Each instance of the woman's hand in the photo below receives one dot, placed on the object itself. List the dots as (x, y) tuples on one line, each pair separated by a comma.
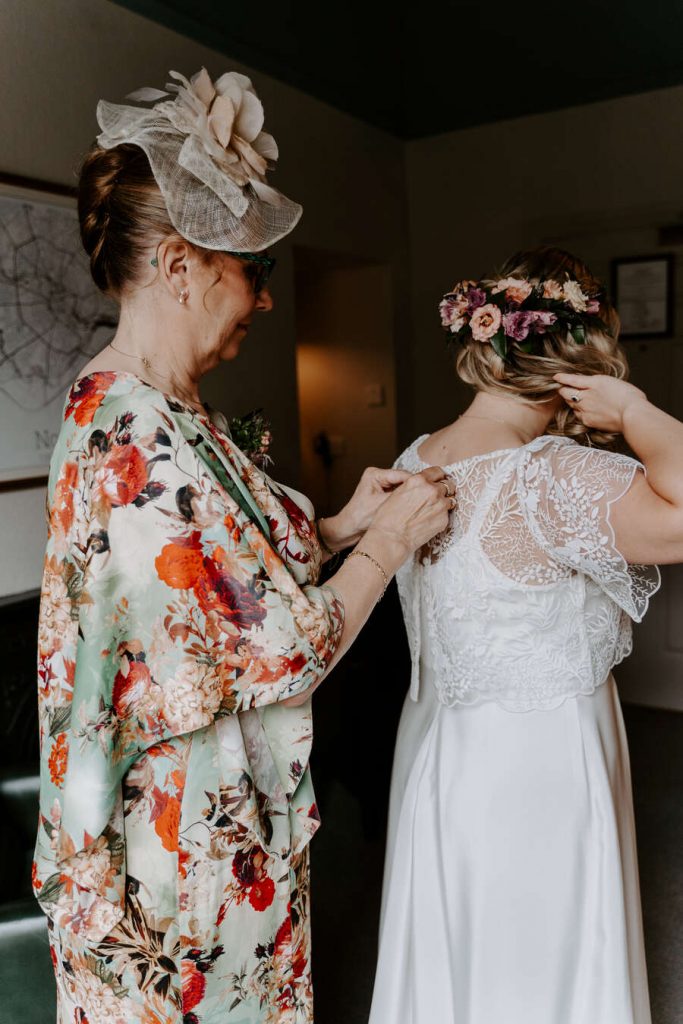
[(416, 511), (348, 526), (598, 400)]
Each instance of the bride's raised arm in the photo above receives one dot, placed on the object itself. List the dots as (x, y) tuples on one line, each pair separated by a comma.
[(648, 519)]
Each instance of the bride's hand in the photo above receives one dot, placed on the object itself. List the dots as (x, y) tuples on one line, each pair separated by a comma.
[(598, 400), (348, 526)]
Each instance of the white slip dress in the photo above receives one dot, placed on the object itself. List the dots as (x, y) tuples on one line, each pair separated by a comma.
[(511, 882)]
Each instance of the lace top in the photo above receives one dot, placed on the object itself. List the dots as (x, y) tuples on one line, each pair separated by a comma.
[(524, 599)]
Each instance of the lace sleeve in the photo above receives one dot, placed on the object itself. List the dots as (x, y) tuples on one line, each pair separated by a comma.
[(566, 493)]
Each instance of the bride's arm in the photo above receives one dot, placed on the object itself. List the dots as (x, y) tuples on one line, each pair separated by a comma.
[(648, 519)]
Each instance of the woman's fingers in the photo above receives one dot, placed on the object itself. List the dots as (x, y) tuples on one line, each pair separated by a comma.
[(433, 474), (576, 380), (389, 478), (571, 395)]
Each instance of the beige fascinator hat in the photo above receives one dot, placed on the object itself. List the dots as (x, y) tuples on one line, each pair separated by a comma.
[(209, 158)]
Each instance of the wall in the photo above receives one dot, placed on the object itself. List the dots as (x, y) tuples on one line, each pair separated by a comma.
[(599, 180), (348, 176)]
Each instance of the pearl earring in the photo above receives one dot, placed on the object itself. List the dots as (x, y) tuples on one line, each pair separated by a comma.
[(184, 296)]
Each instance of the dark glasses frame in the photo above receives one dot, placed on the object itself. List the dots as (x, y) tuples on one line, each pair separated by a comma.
[(264, 264)]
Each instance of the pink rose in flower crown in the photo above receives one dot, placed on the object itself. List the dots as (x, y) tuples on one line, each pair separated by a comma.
[(485, 322), (593, 307), (515, 288)]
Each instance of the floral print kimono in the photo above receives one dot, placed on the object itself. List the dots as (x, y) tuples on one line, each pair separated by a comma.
[(179, 607)]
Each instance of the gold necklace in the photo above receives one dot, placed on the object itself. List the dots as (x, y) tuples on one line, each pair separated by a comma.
[(143, 359), (150, 369), (496, 419)]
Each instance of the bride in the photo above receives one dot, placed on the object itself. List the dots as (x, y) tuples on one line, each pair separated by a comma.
[(511, 884)]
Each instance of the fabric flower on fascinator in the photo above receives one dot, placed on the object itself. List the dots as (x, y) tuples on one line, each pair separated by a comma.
[(209, 156), (226, 120)]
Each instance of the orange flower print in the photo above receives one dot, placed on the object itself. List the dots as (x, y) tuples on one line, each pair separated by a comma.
[(35, 881), (62, 514), (180, 563), (58, 759), (167, 824), (86, 397), (123, 474)]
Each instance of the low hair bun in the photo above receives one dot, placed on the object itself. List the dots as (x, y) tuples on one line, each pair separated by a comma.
[(122, 215), (530, 376)]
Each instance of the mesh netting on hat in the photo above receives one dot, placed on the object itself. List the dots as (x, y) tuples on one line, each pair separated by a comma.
[(212, 178)]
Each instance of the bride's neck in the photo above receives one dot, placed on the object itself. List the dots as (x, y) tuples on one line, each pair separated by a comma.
[(525, 420)]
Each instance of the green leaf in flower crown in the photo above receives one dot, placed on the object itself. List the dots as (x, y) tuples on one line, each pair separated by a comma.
[(527, 346), (500, 344), (578, 333)]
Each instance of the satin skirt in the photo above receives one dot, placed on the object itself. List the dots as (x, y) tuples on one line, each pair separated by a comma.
[(511, 881)]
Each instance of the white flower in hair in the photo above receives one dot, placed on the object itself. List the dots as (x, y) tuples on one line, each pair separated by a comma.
[(574, 296)]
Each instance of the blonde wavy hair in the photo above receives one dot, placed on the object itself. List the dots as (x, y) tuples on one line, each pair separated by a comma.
[(530, 376)]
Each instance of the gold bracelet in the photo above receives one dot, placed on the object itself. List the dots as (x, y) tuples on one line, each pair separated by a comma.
[(364, 554)]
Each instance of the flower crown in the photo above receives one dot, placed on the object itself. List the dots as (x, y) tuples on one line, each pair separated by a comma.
[(514, 312)]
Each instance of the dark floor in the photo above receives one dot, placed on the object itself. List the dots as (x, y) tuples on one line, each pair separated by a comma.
[(347, 871)]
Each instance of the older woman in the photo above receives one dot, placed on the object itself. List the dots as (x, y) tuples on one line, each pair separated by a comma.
[(181, 630)]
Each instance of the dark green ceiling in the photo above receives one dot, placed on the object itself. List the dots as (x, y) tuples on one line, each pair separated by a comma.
[(439, 65)]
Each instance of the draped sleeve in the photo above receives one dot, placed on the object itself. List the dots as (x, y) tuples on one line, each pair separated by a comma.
[(166, 603), (566, 493)]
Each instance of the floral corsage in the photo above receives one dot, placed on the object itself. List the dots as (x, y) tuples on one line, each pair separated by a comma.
[(514, 312), (252, 435)]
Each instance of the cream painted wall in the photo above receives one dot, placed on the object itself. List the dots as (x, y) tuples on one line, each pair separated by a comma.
[(598, 180), (66, 54)]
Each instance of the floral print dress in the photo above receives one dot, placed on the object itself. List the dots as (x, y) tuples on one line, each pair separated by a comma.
[(179, 607)]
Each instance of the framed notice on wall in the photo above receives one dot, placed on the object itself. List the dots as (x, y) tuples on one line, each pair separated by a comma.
[(52, 321), (642, 288)]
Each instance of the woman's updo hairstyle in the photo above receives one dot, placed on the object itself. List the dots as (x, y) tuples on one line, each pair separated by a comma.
[(122, 215), (530, 375)]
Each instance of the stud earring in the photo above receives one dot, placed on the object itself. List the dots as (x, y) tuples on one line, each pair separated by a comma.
[(184, 296)]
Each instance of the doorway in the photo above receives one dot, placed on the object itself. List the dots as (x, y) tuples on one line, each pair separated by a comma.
[(345, 373)]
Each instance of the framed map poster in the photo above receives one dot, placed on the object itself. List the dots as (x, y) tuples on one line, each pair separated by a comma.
[(52, 322)]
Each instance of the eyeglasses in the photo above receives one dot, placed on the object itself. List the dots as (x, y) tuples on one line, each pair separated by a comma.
[(260, 267)]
